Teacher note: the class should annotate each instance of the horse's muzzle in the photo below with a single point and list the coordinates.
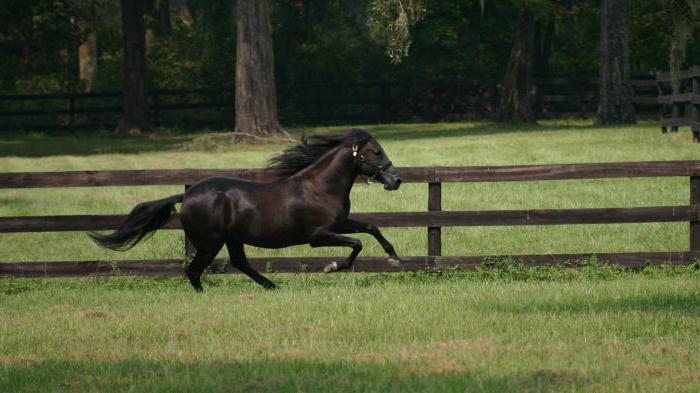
(393, 186)
(390, 178)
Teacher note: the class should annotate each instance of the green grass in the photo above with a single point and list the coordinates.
(597, 329)
(407, 145)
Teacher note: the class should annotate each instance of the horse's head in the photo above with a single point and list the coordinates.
(374, 163)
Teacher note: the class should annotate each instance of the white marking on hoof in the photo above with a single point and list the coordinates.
(394, 262)
(332, 267)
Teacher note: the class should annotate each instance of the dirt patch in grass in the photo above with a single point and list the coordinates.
(246, 297)
(647, 370)
(442, 357)
(482, 346)
(86, 355)
(293, 353)
(208, 324)
(369, 357)
(94, 313)
(60, 307)
(18, 360)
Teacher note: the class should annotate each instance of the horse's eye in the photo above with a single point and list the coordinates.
(378, 153)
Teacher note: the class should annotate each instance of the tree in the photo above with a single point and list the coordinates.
(134, 118)
(615, 101)
(683, 15)
(516, 88)
(86, 15)
(157, 20)
(256, 96)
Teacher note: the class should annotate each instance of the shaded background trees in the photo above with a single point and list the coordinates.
(49, 45)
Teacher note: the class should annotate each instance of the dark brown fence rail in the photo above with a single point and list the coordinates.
(314, 103)
(433, 219)
(684, 104)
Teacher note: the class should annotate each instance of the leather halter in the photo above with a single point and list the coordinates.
(378, 169)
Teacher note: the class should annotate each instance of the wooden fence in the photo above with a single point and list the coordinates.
(314, 103)
(433, 219)
(684, 105)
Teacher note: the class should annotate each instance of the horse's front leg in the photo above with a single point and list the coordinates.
(326, 238)
(352, 226)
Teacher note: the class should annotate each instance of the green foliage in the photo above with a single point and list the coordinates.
(330, 41)
(390, 21)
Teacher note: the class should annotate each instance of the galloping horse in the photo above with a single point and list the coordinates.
(308, 202)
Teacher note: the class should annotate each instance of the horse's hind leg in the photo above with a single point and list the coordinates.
(239, 261)
(204, 255)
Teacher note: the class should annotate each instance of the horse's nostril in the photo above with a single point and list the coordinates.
(398, 181)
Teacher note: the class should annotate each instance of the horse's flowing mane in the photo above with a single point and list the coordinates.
(311, 148)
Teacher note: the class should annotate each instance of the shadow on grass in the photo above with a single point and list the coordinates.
(20, 144)
(686, 304)
(279, 375)
(390, 132)
(43, 145)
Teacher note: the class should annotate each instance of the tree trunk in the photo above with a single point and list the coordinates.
(134, 118)
(256, 98)
(615, 102)
(516, 88)
(87, 55)
(543, 48)
(150, 13)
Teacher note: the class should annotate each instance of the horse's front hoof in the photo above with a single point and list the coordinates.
(394, 262)
(331, 267)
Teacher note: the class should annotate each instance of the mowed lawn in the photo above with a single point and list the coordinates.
(595, 329)
(592, 332)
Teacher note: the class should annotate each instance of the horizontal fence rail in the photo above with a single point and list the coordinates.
(434, 219)
(399, 219)
(408, 174)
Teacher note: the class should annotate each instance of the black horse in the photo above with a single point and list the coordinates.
(308, 202)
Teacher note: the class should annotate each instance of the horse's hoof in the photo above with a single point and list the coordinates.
(331, 267)
(394, 262)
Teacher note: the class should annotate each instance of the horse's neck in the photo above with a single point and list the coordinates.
(335, 173)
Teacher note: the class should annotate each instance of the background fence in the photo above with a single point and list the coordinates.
(316, 104)
(433, 219)
(681, 108)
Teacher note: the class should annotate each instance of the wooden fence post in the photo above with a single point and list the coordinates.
(434, 205)
(189, 247)
(695, 211)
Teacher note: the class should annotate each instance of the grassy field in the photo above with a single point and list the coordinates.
(407, 145)
(595, 329)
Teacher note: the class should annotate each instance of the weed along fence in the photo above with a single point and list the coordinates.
(433, 219)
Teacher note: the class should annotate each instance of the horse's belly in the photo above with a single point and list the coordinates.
(271, 239)
(270, 233)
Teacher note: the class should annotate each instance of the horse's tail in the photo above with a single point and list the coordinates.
(144, 219)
